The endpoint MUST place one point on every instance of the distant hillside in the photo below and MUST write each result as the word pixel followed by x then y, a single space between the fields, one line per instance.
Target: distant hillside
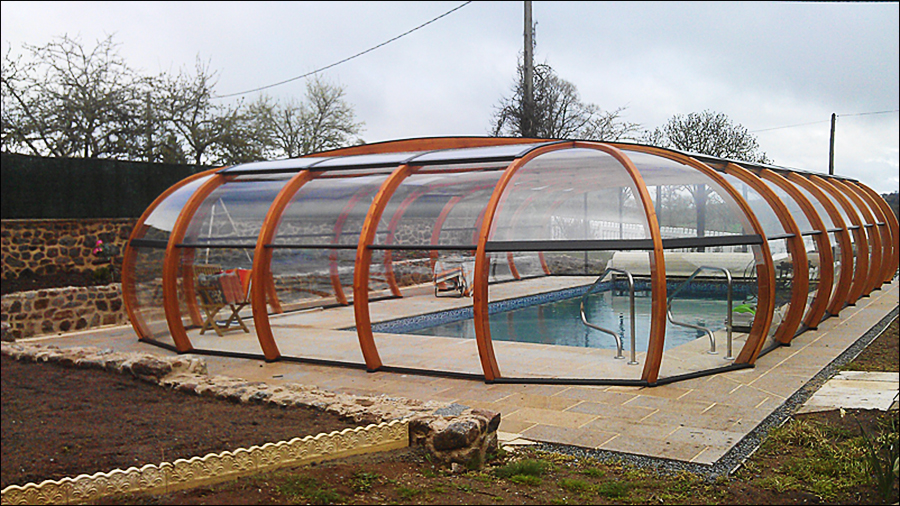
pixel 893 200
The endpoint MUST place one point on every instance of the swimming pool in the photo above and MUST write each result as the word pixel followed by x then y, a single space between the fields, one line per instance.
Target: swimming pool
pixel 559 322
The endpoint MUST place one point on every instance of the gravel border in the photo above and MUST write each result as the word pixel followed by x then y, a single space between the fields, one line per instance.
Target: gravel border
pixel 740 452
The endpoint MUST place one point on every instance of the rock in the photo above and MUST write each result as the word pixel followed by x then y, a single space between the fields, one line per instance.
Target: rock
pixel 459 434
pixel 150 367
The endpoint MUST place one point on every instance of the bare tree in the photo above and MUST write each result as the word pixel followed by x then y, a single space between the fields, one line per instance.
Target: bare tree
pixel 707 133
pixel 558 112
pixel 327 121
pixel 69 101
pixel 185 103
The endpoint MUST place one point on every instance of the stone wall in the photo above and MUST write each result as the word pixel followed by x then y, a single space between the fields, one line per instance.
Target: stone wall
pixel 54 310
pixel 48 247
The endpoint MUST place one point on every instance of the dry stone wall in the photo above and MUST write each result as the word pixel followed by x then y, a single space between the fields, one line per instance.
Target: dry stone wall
pixel 47 247
pixel 54 310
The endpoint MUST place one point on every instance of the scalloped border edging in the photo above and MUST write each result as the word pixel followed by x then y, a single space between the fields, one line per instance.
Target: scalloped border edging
pixel 214 467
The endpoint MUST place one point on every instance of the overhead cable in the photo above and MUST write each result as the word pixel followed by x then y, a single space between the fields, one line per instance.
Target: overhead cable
pixel 346 59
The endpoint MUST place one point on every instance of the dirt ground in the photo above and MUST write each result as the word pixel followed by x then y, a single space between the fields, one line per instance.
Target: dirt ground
pixel 62 422
pixel 59 421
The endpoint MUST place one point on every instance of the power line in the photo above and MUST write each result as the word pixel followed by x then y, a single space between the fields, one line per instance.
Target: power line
pixel 824 120
pixel 348 58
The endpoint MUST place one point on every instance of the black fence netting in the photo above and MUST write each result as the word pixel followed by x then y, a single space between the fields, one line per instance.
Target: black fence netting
pixel 36 187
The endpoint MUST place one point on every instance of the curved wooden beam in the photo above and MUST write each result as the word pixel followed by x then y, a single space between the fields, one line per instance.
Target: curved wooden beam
pixel 861 265
pixel 884 232
pixel 876 251
pixel 891 220
pixel 261 272
pixel 364 259
pixel 173 260
pixel 823 247
pixel 840 296
pixel 129 282
pixel 765 273
pixel 800 264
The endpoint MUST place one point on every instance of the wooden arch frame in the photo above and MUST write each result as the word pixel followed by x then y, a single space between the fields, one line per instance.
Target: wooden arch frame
pixel 891 220
pixel 262 261
pixel 840 296
pixel 800 280
pixel 765 276
pixel 873 277
pixel 129 290
pixel 486 353
pixel 171 262
pixel 823 245
pixel 883 253
pixel 861 263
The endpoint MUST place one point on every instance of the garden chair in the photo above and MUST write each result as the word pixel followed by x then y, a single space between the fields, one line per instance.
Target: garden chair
pixel 218 289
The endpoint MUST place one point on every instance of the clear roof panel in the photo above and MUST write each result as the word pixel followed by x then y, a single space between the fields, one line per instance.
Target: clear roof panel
pixel 793 207
pixel 234 212
pixel 567 195
pixel 422 201
pixel 689 203
pixel 764 212
pixel 289 165
pixel 162 219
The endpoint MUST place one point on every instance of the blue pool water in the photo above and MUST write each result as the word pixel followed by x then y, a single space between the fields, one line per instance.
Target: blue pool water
pixel 559 322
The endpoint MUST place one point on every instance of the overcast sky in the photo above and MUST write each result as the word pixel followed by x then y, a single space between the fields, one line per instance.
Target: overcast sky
pixel 769 66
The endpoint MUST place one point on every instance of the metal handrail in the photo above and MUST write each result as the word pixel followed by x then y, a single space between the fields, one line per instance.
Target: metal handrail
pixel 612 333
pixel 728 316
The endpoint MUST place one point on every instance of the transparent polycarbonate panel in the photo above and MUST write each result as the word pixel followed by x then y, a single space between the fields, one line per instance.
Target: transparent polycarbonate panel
pixel 819 208
pixel 793 207
pixel 148 264
pixel 575 194
pixel 162 219
pixel 703 302
pixel 291 164
pixel 419 209
pixel 765 213
pixel 689 203
pixel 784 283
pixel 536 325
pixel 848 224
pixel 837 254
pixel 850 216
pixel 371 160
pixel 234 212
pixel 480 154
pixel 328 210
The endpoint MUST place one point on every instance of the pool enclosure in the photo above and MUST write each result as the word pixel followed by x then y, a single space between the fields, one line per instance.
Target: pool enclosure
pixel 505 260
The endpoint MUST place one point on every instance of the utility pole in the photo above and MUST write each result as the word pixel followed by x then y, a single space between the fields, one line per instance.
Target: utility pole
pixel 831 150
pixel 528 99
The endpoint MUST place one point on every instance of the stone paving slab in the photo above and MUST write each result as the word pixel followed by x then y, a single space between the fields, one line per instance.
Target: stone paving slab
pixel 856 389
pixel 697 420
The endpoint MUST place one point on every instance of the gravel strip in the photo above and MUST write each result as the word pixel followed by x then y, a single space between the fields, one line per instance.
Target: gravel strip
pixel 740 452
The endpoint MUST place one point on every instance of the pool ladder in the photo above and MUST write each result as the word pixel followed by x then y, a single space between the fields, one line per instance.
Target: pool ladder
pixel 613 271
pixel 728 322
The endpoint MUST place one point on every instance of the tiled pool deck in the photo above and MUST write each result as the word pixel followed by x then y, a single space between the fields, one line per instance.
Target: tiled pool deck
pixel 693 421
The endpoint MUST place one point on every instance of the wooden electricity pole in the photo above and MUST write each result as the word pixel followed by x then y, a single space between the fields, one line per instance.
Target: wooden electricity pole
pixel 831 150
pixel 528 99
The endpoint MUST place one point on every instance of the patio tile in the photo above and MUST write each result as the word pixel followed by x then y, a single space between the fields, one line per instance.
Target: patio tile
pixel 654 447
pixel 551 417
pixel 587 438
pixel 630 413
pixel 598 395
